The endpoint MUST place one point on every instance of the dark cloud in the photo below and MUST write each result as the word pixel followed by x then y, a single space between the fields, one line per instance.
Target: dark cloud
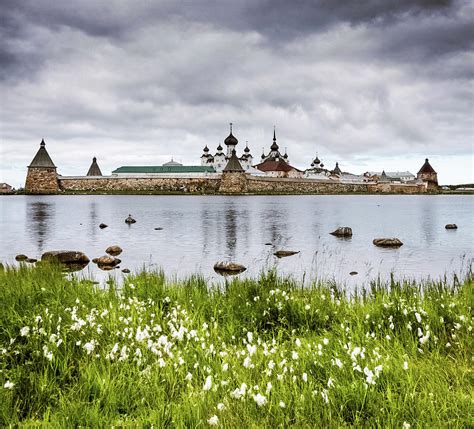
pixel 141 81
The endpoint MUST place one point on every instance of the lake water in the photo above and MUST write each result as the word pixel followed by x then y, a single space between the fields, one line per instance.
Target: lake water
pixel 198 231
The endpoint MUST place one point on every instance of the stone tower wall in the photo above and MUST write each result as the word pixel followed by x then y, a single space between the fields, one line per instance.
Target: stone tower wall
pixel 233 183
pixel 41 180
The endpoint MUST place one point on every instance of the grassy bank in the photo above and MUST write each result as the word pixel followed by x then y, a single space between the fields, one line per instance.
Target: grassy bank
pixel 256 353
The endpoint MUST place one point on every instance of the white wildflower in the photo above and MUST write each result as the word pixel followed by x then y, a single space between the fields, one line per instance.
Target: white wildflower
pixel 25 331
pixel 305 377
pixel 282 404
pixel 260 399
pixel 89 346
pixel 405 365
pixel 220 406
pixel 207 383
pixel 8 385
pixel 406 425
pixel 325 341
pixel 298 342
pixel 213 420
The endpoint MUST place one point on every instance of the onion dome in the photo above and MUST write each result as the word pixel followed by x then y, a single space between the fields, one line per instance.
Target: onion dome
pixel 274 145
pixel 312 164
pixel 263 156
pixel 247 150
pixel 285 156
pixel 219 148
pixel 230 139
pixel 316 161
pixel 322 165
pixel 206 149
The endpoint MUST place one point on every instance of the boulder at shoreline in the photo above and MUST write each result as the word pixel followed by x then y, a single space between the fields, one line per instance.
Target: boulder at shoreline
pixel 66 257
pixel 228 268
pixel 387 242
pixel 21 257
pixel 451 226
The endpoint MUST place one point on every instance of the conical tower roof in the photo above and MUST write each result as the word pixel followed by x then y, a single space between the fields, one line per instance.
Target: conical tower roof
pixel 42 158
pixel 94 169
pixel 426 168
pixel 234 164
pixel 337 170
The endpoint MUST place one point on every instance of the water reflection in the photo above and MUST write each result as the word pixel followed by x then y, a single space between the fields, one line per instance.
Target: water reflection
pixel 93 219
pixel 428 215
pixel 230 218
pixel 41 217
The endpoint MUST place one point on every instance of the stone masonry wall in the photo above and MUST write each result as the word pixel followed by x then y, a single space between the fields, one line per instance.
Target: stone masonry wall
pixel 140 184
pixel 46 181
pixel 262 185
pixel 41 181
pixel 233 183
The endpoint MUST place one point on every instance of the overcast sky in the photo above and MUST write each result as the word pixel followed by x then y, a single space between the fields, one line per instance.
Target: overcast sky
pixel 375 84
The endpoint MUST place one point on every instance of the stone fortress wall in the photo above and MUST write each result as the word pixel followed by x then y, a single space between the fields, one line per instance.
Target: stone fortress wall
pixel 225 183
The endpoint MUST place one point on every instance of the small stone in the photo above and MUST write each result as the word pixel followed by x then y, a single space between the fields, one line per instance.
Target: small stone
pixel 158 229
pixel 451 226
pixel 343 231
pixel 268 244
pixel 285 253
pixel 353 273
pixel 21 257
pixel 114 250
pixel 126 271
pixel 130 219
pixel 31 260
pixel 387 242
pixel 95 260
pixel 103 225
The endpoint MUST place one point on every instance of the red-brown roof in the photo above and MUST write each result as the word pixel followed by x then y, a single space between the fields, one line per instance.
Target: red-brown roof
pixel 275 166
pixel 426 168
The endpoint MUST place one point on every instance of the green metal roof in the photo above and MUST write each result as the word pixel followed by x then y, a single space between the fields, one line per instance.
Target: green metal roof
pixel 164 169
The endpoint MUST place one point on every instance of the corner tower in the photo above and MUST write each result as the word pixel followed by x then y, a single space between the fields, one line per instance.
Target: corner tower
pixel 428 174
pixel 42 177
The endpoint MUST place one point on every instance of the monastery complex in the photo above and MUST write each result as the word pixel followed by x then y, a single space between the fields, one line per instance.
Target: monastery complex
pixel 226 173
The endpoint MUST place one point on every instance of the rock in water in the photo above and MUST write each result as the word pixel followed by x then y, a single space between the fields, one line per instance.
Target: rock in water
pixel 21 257
pixel 158 229
pixel 126 271
pixel 31 260
pixel 107 262
pixel 284 253
pixel 113 250
pixel 343 231
pixel 228 268
pixel 130 219
pixel 451 226
pixel 353 273
pixel 103 225
pixel 387 242
pixel 65 257
pixel 72 259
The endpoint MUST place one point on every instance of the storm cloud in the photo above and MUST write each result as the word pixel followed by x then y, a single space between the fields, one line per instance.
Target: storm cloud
pixel 382 84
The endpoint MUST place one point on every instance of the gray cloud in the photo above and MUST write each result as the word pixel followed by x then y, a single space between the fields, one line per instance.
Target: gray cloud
pixel 138 82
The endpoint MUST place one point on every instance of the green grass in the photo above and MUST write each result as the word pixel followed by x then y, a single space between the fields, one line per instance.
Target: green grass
pixel 273 354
